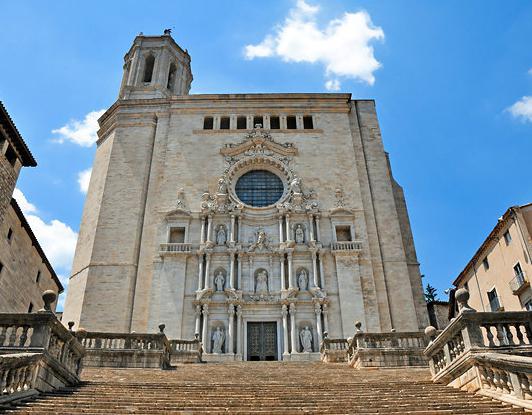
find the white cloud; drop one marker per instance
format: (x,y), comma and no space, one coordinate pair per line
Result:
(522,109)
(332,85)
(82,133)
(530,71)
(343,46)
(84,178)
(25,206)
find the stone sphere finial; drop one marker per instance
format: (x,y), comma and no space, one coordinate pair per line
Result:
(392,330)
(430,331)
(325,334)
(196,336)
(462,297)
(48,297)
(358,327)
(161,328)
(70,325)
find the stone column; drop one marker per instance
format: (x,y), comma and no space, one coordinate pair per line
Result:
(288,235)
(325,317)
(251,278)
(204,334)
(202,235)
(316,282)
(293,329)
(198,322)
(207,271)
(239,330)
(281,240)
(232,236)
(322,275)
(209,229)
(230,328)
(284,312)
(200,272)
(318,237)
(239,270)
(290,277)
(283,277)
(317,311)
(311,227)
(239,221)
(232,271)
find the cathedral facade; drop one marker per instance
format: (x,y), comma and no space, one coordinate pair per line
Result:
(257,222)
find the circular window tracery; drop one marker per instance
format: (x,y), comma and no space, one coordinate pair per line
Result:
(259,188)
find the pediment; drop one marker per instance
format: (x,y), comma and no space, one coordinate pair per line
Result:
(177,213)
(341,211)
(259,141)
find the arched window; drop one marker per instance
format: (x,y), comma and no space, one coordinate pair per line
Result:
(149,62)
(171,77)
(259,188)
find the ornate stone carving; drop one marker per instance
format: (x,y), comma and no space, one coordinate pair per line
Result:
(261,282)
(299,234)
(180,203)
(261,241)
(221,235)
(339,194)
(219,280)
(302,279)
(305,336)
(299,200)
(218,339)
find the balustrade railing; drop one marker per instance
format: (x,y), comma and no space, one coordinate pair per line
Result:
(175,248)
(519,282)
(333,350)
(18,374)
(346,246)
(185,351)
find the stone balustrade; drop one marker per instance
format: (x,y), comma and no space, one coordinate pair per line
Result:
(185,351)
(333,350)
(346,246)
(518,283)
(175,248)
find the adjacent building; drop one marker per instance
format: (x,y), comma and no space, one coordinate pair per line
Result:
(256,221)
(497,276)
(25,272)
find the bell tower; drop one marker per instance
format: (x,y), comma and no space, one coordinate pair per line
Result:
(155,67)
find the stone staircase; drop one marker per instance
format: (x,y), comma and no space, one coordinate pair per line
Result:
(261,387)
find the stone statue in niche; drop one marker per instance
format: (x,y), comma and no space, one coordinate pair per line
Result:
(218,338)
(222,186)
(302,279)
(306,339)
(299,234)
(261,285)
(221,235)
(219,281)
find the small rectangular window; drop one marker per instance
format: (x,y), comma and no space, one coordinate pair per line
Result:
(30,308)
(493,298)
(208,123)
(307,123)
(224,123)
(507,237)
(343,233)
(37,279)
(9,234)
(486,264)
(291,122)
(11,155)
(257,119)
(241,123)
(275,124)
(177,235)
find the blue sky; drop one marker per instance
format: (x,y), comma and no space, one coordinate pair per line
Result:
(452,82)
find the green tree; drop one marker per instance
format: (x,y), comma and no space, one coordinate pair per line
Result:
(431,294)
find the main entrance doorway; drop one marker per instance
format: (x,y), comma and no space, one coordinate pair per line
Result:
(262,341)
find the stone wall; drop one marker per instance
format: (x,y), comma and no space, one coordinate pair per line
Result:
(8,180)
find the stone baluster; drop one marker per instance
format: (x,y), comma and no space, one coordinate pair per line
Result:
(284,313)
(202,234)
(318,237)
(290,276)
(198,321)
(232,235)
(232,270)
(288,235)
(205,333)
(209,229)
(281,239)
(240,338)
(293,330)
(200,271)
(311,227)
(283,277)
(207,271)
(230,328)
(315,280)
(325,312)
(319,330)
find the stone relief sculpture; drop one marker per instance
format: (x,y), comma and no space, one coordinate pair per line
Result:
(302,279)
(261,240)
(180,204)
(221,235)
(299,234)
(218,338)
(219,281)
(306,339)
(222,186)
(261,284)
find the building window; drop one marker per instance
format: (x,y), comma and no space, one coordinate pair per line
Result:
(208,123)
(258,119)
(307,123)
(486,264)
(38,276)
(30,308)
(1,267)
(241,123)
(275,124)
(11,155)
(528,305)
(291,122)
(148,68)
(177,235)
(495,304)
(259,188)
(225,122)
(519,273)
(171,77)
(343,233)
(10,234)
(507,237)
